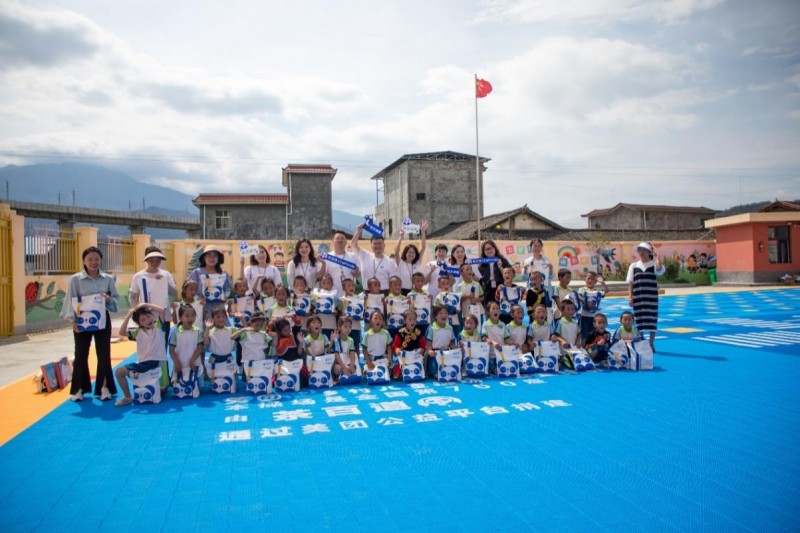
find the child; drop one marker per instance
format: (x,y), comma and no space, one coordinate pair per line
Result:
(344,347)
(299,297)
(599,339)
(376,342)
(281,307)
(445,293)
(540,329)
(471,331)
(266,297)
(627,331)
(374,297)
(567,331)
(537,295)
(254,341)
(217,337)
(409,338)
(494,332)
(326,315)
(349,288)
(563,292)
(420,300)
(315,343)
(440,337)
(240,308)
(150,346)
(285,346)
(189,297)
(471,293)
(396,305)
(186,341)
(517,330)
(508,294)
(589,299)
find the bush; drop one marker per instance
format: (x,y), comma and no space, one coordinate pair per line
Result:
(673,269)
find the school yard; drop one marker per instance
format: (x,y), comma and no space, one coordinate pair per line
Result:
(709,440)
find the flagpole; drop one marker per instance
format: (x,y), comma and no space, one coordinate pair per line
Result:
(477,160)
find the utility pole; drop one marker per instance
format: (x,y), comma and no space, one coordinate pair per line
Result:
(142,203)
(73,197)
(8,191)
(59,198)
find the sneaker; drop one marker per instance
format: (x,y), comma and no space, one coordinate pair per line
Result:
(77,397)
(105,394)
(122,402)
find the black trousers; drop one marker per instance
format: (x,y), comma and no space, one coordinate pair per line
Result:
(81,379)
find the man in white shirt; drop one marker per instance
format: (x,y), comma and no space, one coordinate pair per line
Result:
(374,264)
(339,272)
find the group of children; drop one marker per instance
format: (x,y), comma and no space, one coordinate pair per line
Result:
(264,321)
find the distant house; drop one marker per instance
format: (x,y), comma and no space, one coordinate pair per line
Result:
(509,225)
(758,247)
(304,211)
(439,187)
(648,217)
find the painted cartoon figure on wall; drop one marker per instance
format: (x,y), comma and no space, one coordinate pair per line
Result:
(34,298)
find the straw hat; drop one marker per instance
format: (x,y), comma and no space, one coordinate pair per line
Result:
(212,248)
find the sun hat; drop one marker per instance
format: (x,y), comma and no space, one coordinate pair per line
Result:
(213,248)
(647,246)
(155,254)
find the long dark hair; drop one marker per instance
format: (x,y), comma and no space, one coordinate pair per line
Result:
(452,259)
(220,260)
(311,258)
(502,259)
(254,261)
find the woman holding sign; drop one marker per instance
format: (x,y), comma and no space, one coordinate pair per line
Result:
(410,260)
(490,268)
(213,282)
(91,296)
(260,268)
(304,263)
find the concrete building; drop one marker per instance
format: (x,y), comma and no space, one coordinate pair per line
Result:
(439,187)
(645,217)
(758,247)
(304,211)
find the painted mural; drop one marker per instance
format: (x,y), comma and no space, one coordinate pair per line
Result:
(44,297)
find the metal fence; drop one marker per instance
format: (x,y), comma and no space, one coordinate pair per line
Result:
(118,254)
(51,251)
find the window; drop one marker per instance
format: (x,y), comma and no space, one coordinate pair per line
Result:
(779,244)
(222,220)
(421,196)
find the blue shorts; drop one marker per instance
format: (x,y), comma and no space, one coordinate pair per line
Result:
(144,366)
(214,358)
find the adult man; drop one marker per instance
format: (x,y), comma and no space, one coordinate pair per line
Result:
(374,264)
(339,272)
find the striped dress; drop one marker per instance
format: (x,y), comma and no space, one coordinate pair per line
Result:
(645,294)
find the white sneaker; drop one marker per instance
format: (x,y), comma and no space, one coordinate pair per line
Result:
(77,397)
(105,394)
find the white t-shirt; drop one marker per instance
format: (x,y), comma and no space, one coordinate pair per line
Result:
(303,269)
(338,272)
(372,267)
(185,342)
(405,271)
(150,343)
(541,265)
(252,273)
(158,290)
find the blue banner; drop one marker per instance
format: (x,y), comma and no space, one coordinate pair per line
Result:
(452,270)
(481,260)
(370,226)
(338,261)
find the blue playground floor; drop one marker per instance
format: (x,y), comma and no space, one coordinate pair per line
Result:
(709,440)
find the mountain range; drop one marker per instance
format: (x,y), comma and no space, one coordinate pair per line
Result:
(87,185)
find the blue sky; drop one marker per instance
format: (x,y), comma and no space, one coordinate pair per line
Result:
(675,102)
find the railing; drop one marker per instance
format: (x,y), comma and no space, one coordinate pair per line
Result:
(51,251)
(118,254)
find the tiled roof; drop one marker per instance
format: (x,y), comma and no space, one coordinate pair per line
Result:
(469,230)
(584,235)
(780,205)
(240,199)
(645,207)
(309,169)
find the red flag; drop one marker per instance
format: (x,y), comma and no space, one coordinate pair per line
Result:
(482,88)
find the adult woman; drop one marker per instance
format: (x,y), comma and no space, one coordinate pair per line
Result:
(433,268)
(491,270)
(643,289)
(213,282)
(409,261)
(91,297)
(260,268)
(538,263)
(304,263)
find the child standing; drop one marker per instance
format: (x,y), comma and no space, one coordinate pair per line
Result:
(344,347)
(326,294)
(590,298)
(349,287)
(471,293)
(537,295)
(420,301)
(508,294)
(494,332)
(396,305)
(281,307)
(186,341)
(302,305)
(567,331)
(265,297)
(151,349)
(563,292)
(445,299)
(599,339)
(374,297)
(189,297)
(440,337)
(376,342)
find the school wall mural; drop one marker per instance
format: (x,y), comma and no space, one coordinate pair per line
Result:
(45,298)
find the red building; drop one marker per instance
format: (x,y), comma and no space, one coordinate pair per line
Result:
(758,247)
